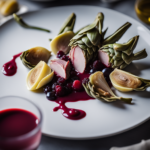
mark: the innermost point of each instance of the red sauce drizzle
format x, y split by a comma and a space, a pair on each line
10, 68
71, 113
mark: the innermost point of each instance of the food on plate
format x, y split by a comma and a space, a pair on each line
61, 41
39, 76
85, 44
61, 67
33, 56
120, 55
87, 72
20, 21
8, 7
125, 81
98, 88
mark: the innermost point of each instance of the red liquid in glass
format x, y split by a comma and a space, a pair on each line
10, 68
14, 123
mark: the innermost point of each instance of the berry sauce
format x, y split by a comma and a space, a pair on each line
74, 96
10, 68
71, 113
15, 122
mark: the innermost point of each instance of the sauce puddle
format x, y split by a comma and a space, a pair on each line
10, 68
71, 113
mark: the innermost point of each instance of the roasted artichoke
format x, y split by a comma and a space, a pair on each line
89, 40
61, 41
120, 55
86, 42
125, 81
33, 56
98, 88
39, 76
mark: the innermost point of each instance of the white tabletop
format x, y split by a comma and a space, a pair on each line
127, 138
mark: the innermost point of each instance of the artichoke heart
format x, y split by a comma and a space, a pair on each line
125, 82
33, 56
39, 76
98, 88
60, 42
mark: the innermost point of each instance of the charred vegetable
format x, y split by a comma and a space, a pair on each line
39, 76
125, 81
98, 88
61, 41
33, 56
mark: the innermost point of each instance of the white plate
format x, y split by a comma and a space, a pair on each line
103, 119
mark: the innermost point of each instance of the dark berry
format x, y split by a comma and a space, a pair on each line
60, 54
85, 80
77, 85
108, 81
60, 90
61, 81
69, 87
65, 58
107, 71
47, 89
97, 65
92, 71
51, 95
74, 78
73, 73
54, 85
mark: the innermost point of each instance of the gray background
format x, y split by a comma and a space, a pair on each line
130, 137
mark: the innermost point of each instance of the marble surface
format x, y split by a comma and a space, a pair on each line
127, 138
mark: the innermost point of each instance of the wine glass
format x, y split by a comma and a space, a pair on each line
142, 8
20, 124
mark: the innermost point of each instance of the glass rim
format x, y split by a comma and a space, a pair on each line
28, 134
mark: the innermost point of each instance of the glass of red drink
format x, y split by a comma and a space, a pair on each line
20, 124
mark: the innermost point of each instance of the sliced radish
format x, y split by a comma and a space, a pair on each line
61, 67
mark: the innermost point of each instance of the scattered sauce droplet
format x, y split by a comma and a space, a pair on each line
10, 68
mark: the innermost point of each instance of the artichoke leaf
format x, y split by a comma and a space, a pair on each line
68, 25
117, 34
